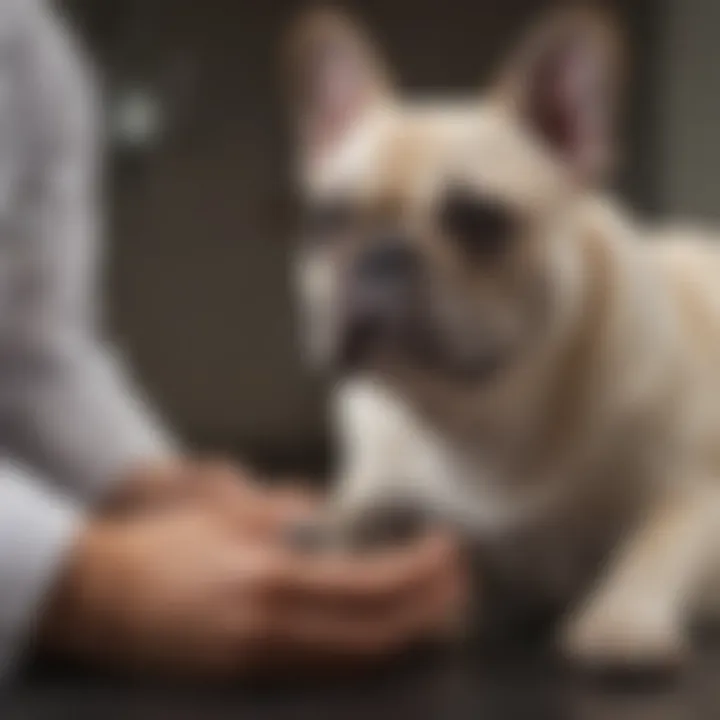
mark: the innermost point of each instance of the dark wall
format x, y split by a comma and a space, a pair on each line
202, 220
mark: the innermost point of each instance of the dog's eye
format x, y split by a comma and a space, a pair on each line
481, 226
329, 219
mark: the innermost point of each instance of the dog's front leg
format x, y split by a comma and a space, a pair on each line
636, 617
387, 474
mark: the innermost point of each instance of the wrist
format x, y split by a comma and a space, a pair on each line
68, 624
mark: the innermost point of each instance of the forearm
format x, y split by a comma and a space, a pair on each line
64, 405
75, 413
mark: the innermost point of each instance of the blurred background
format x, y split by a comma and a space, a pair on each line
201, 206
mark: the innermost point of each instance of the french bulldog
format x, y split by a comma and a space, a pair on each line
513, 352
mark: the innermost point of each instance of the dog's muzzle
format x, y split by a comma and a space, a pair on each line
378, 299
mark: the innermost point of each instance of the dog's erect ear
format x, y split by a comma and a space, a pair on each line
335, 77
565, 84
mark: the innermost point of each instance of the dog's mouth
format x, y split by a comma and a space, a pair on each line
407, 342
366, 342
379, 321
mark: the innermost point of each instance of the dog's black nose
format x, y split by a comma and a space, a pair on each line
389, 261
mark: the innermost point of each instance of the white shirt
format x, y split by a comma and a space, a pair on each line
70, 423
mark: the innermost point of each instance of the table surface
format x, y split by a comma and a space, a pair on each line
442, 685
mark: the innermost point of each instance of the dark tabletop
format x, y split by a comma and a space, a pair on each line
443, 684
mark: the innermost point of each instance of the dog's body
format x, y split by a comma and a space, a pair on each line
557, 394
550, 485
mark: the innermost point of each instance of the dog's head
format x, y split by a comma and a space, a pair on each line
433, 230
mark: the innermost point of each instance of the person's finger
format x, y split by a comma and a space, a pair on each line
297, 495
287, 506
236, 496
218, 473
252, 506
369, 580
309, 629
264, 513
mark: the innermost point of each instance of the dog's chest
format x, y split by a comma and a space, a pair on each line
535, 534
539, 541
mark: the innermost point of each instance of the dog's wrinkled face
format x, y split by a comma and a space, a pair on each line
431, 230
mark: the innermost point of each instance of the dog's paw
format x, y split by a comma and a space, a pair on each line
617, 638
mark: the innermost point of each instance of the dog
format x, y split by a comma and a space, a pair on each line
513, 352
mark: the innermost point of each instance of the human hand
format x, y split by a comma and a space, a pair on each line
229, 486
192, 591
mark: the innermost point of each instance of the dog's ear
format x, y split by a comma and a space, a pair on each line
565, 83
335, 77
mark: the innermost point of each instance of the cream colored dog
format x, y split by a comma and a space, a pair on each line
516, 353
